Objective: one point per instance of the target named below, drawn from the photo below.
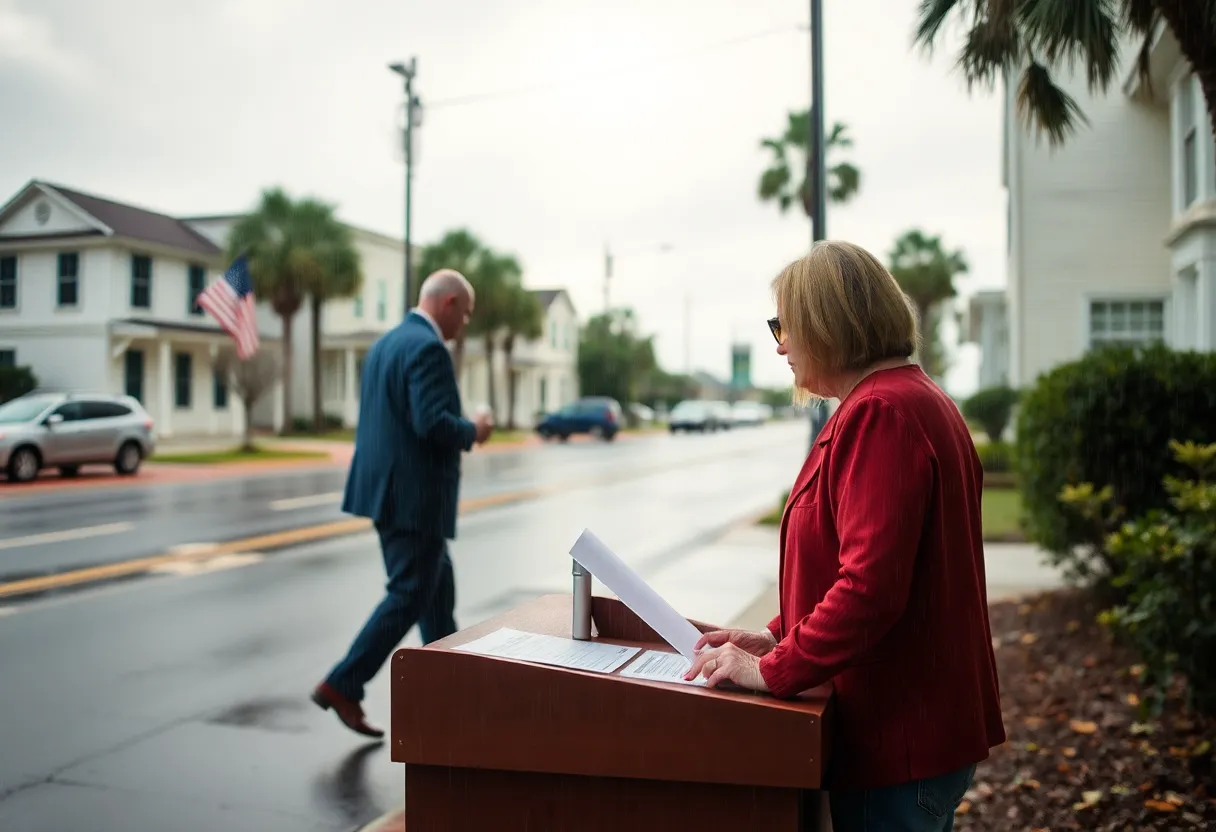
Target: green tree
(277, 238)
(524, 318)
(613, 358)
(335, 272)
(1044, 36)
(926, 271)
(780, 184)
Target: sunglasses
(774, 326)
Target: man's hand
(484, 423)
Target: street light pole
(412, 107)
(816, 164)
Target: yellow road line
(273, 540)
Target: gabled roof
(117, 219)
(546, 297)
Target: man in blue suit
(405, 476)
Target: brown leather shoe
(349, 711)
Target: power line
(494, 95)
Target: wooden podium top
(459, 709)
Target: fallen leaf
(1072, 626)
(1028, 638)
(963, 808)
(1068, 752)
(1176, 751)
(1141, 728)
(1175, 798)
(1120, 789)
(1201, 749)
(1136, 670)
(1034, 722)
(1088, 799)
(1090, 661)
(1032, 747)
(1083, 726)
(1024, 609)
(1184, 725)
(1063, 768)
(1160, 806)
(1147, 750)
(1133, 699)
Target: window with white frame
(1132, 322)
(8, 282)
(381, 300)
(1188, 132)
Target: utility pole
(607, 276)
(687, 333)
(413, 112)
(816, 167)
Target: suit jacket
(405, 473)
(882, 587)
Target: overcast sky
(638, 126)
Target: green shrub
(1169, 575)
(996, 457)
(1107, 419)
(15, 382)
(991, 409)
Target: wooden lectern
(497, 744)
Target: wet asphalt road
(179, 702)
(38, 531)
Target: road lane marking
(66, 534)
(297, 536)
(309, 501)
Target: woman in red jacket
(882, 561)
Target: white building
(1112, 238)
(986, 324)
(98, 295)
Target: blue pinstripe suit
(405, 476)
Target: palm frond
(844, 181)
(1045, 107)
(1071, 31)
(1141, 15)
(774, 182)
(931, 16)
(992, 45)
(839, 136)
(776, 146)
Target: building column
(214, 420)
(277, 417)
(350, 392)
(1205, 305)
(165, 385)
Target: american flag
(230, 301)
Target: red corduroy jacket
(882, 587)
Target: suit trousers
(421, 590)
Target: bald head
(447, 296)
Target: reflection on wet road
(48, 531)
(180, 702)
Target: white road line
(292, 503)
(66, 534)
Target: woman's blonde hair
(842, 306)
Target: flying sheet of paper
(660, 666)
(595, 656)
(638, 595)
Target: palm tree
(523, 318)
(1041, 36)
(926, 271)
(280, 266)
(493, 279)
(337, 273)
(777, 183)
(459, 250)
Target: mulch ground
(1081, 754)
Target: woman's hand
(728, 663)
(757, 643)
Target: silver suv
(67, 430)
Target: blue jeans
(421, 590)
(919, 806)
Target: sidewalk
(732, 582)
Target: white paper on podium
(638, 595)
(660, 666)
(595, 656)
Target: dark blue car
(598, 416)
